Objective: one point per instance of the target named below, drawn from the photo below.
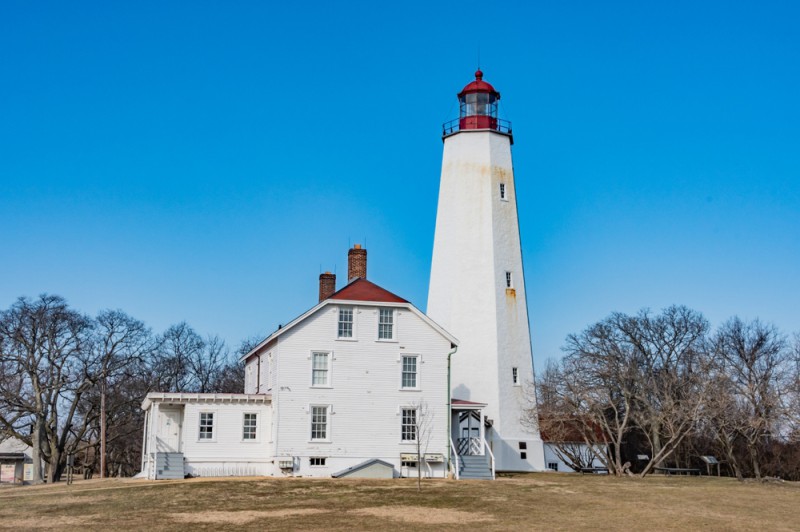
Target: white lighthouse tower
(477, 287)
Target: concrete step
(475, 476)
(475, 467)
(474, 460)
(169, 466)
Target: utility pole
(103, 425)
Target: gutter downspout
(449, 406)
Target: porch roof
(462, 404)
(185, 398)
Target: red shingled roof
(464, 402)
(567, 430)
(363, 290)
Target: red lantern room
(478, 102)
(478, 109)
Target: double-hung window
(408, 427)
(206, 426)
(249, 426)
(345, 322)
(319, 422)
(385, 324)
(409, 376)
(320, 368)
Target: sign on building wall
(7, 472)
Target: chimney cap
(356, 246)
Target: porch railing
(491, 455)
(470, 446)
(454, 461)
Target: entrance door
(470, 443)
(169, 431)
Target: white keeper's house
(352, 386)
(346, 388)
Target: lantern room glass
(478, 104)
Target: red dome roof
(478, 85)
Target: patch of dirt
(559, 489)
(423, 515)
(240, 517)
(46, 522)
(69, 500)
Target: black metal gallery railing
(454, 126)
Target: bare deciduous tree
(599, 387)
(45, 348)
(121, 345)
(423, 429)
(644, 373)
(555, 418)
(673, 361)
(755, 371)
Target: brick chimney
(356, 263)
(327, 285)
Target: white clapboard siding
(364, 392)
(258, 377)
(227, 453)
(227, 443)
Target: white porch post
(469, 433)
(152, 439)
(483, 434)
(145, 437)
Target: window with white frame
(515, 376)
(509, 280)
(503, 191)
(317, 461)
(345, 322)
(319, 422)
(409, 377)
(320, 368)
(249, 426)
(408, 428)
(385, 324)
(206, 426)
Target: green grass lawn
(535, 501)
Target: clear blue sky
(202, 161)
